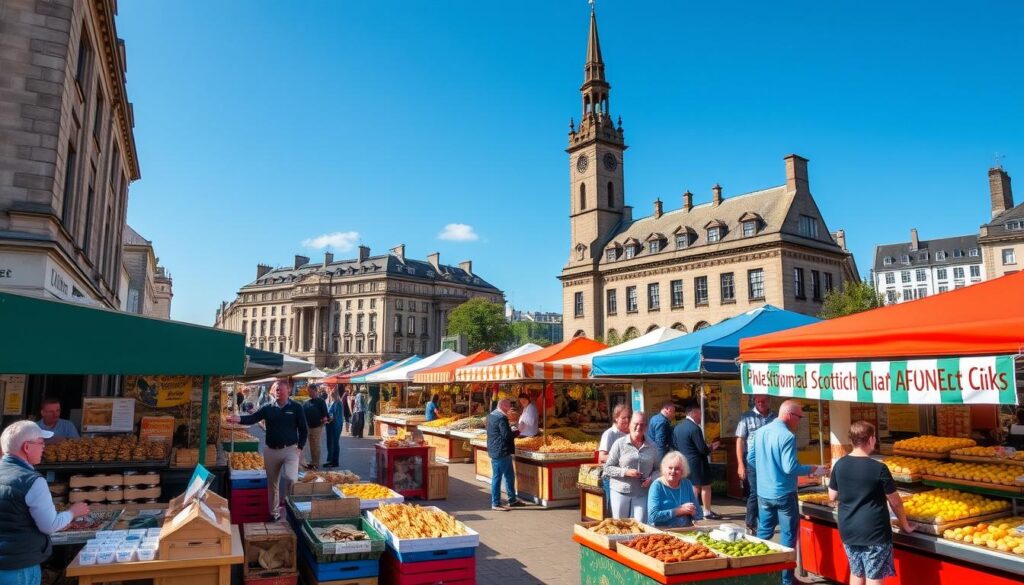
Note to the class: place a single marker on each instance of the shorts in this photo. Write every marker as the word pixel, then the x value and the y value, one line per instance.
pixel 871 562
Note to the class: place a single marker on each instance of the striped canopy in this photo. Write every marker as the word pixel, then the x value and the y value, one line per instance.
pixel 536 365
pixel 446 374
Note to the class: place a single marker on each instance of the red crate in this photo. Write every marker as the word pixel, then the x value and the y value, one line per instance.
pixel 247 496
pixel 278 580
pixel 443 572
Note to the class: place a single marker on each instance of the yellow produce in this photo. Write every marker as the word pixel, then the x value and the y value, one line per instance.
pixel 993 473
pixel 907 465
pixel 365 491
pixel 246 461
pixel 976 451
pixel 553 444
pixel 817 498
pixel 438 423
pixel 574 435
pixel 412 521
pixel 998 535
pixel 942 505
pixel 933 444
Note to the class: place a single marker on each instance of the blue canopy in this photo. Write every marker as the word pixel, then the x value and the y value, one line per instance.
pixel 710 350
pixel 405 362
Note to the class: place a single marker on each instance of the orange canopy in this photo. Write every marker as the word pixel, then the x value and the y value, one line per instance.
pixel 527 366
pixel 982 319
pixel 446 374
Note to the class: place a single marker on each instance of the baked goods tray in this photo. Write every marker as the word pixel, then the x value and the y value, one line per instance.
pixel 990 460
pixel 79 534
pixel 921 454
pixel 471 538
pixel 584 457
pixel 938 529
pixel 71 466
pixel 469 435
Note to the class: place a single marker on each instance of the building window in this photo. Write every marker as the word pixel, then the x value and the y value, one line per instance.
pixel 654 246
pixel 922 257
pixel 958 272
pixel 630 251
pixel 263 311
pixel 908 294
pixel 373 322
pixel 890 296
pixel 84 59
pixel 798 283
pixel 1015 225
pixel 749 228
pixel 399 304
pixel 1009 257
pixel 905 276
pixel 583 196
pixel 398 324
pixel 940 255
pixel 359 304
pixel 816 285
pixel 921 275
pixel 373 303
pixel 263 328
pixel 398 346
pixel 940 274
pixel 578 304
pixel 631 302
pixel 653 297
pixel 943 288
pixel 252 329
pixel 808 226
pixel 611 302
pixel 69 187
pixel 700 291
pixel 677 294
pixel 273 327
pixel 359 345
pixel 887 261
pixel 97 122
pixel 890 278
pixel 973 253
pixel 609 254
pixel 611 194
pixel 828 282
pixel 958 253
pixel 411 325
pixel 728 284
pixel 905 259
pixel 975 271
pixel 273 311
pixel 714 234
pixel 922 292
pixel 373 345
pixel 682 240
pixel 359 323
pixel 755 284
pixel 348 323
pixel 580 251
pixel 131 310
pixel 423 325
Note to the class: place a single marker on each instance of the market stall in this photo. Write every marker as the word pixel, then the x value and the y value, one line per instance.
pixel 393 418
pixel 373 406
pixel 960 348
pixel 454 405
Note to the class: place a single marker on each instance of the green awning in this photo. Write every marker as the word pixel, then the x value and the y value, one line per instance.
pixel 41 336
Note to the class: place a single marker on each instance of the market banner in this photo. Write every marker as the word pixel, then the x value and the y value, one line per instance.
pixel 966 380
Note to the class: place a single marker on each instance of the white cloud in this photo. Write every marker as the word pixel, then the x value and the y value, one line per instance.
pixel 458 232
pixel 341 241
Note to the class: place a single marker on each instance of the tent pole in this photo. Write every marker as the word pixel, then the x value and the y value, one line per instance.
pixel 821 438
pixel 204 415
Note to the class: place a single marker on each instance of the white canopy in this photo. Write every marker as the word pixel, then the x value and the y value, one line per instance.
pixel 315 373
pixel 521 350
pixel 657 336
pixel 404 373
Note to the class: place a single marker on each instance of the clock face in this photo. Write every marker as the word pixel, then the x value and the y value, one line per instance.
pixel 610 162
pixel 582 162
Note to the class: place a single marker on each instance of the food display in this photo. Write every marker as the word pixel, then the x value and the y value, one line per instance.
pixel 575 435
pixel 407 411
pixel 944 505
pixel 236 434
pixel 993 473
pixel 819 498
pixel 365 491
pixel 468 423
pixel 554 444
pixel 907 466
pixel 669 549
pixel 105 450
pixel 438 423
pixel 739 548
pixel 90 522
pixel 332 477
pixel 1000 535
pixel 412 521
pixel 339 533
pixel 610 526
pixel 997 453
pixel 246 461
pixel 933 444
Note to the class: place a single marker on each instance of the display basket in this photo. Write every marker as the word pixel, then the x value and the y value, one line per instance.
pixel 937 529
pixel 394 498
pixel 331 552
pixel 470 539
pixel 778 554
pixel 322 507
pixel 676 568
pixel 607 541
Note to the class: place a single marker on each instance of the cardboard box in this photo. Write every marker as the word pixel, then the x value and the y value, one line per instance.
pixel 312 488
pixel 259 538
pixel 607 541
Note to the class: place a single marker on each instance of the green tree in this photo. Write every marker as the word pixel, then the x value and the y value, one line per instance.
pixel 483 323
pixel 613 338
pixel 853 298
pixel 529 332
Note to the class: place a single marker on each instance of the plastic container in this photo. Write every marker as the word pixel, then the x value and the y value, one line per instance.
pixel 87 557
pixel 146 554
pixel 93 542
pixel 153 532
pixel 140 532
pixel 150 541
pixel 105 557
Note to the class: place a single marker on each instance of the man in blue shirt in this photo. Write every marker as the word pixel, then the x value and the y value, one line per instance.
pixel 501 447
pixel 50 421
pixel 750 421
pixel 773 452
pixel 659 429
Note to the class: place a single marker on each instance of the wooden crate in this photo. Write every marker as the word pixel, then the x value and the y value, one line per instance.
pixel 323 507
pixel 437 482
pixel 679 568
pixel 261 537
pixel 149 493
pixel 606 541
pixel 96 481
pixel 779 554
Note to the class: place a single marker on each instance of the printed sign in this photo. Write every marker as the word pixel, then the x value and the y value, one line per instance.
pixel 563 483
pixel 108 415
pixel 162 391
pixel 14 394
pixel 156 428
pixel 967 380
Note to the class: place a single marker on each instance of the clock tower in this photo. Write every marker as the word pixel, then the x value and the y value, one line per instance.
pixel 595 163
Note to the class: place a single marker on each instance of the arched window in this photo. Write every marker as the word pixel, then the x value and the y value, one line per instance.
pixel 611 194
pixel 579 333
pixel 701 325
pixel 679 327
pixel 651 328
pixel 630 333
pixel 583 196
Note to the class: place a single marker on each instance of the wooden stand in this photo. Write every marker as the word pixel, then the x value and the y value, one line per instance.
pixel 549 484
pixel 403 469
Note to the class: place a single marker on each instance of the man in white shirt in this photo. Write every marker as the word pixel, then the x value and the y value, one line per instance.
pixel 528 420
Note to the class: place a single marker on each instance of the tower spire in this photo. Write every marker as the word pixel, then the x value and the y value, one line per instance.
pixel 594 69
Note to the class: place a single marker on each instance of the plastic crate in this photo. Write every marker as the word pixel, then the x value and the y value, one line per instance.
pixel 309 579
pixel 339 571
pixel 241 497
pixel 249 483
pixel 276 580
pixel 369 549
pixel 433 555
pixel 241 446
pixel 445 572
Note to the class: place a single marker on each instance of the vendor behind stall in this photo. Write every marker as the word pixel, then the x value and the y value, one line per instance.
pixel 528 423
pixel 1015 432
pixel 50 421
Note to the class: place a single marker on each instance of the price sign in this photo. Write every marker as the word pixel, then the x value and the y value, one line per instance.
pixel 356 546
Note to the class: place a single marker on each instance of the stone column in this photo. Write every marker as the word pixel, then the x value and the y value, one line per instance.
pixel 839 429
pixel 316 329
pixel 301 345
pixel 293 344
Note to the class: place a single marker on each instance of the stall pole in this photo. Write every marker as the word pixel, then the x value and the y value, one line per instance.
pixel 821 439
pixel 204 415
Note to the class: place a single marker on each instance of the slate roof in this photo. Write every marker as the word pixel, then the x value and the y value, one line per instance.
pixel 997 227
pixel 133 238
pixel 388 264
pixel 927 253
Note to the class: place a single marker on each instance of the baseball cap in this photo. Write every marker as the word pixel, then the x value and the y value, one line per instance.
pixel 37 432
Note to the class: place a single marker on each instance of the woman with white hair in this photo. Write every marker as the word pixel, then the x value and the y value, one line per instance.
pixel 27 515
pixel 671 502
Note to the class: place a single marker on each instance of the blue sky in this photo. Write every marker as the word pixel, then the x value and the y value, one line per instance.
pixel 262 126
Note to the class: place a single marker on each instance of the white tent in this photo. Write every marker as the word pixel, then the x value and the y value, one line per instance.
pixel 521 350
pixel 314 374
pixel 657 336
pixel 404 373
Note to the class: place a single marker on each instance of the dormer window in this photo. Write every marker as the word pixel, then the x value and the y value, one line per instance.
pixel 749 228
pixel 958 253
pixel 905 259
pixel 682 240
pixel 610 255
pixel 630 251
pixel 940 255
pixel 887 261
pixel 973 253
pixel 654 246
pixel 808 226
pixel 1015 225
pixel 714 234
pixel 923 256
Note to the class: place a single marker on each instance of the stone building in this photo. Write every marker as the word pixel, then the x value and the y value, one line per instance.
pixel 920 268
pixel 1002 239
pixel 149 284
pixel 353 313
pixel 690 267
pixel 67 150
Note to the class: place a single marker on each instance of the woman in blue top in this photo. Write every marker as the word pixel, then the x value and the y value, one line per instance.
pixel 334 423
pixel 431 412
pixel 670 502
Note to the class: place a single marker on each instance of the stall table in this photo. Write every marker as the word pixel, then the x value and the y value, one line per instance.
pixel 202 571
pixel 545 479
pixel 403 469
pixel 384 422
pixel 448 447
pixel 930 559
pixel 599 565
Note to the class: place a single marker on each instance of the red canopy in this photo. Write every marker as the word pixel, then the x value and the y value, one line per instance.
pixel 446 374
pixel 528 366
pixel 346 377
pixel 982 319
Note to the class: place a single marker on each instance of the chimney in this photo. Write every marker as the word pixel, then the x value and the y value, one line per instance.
pixel 435 261
pixel 999 190
pixel 796 173
pixel 399 252
pixel 262 269
pixel 913 240
pixel 716 195
pixel 328 258
pixel 467 266
pixel 627 213
pixel 687 201
pixel 364 253
pixel 657 208
pixel 301 261
pixel 841 239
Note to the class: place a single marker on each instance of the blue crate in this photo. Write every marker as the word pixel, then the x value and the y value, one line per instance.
pixel 433 555
pixel 255 483
pixel 339 571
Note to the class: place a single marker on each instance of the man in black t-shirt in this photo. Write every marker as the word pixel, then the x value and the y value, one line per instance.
pixel 315 410
pixel 863 486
